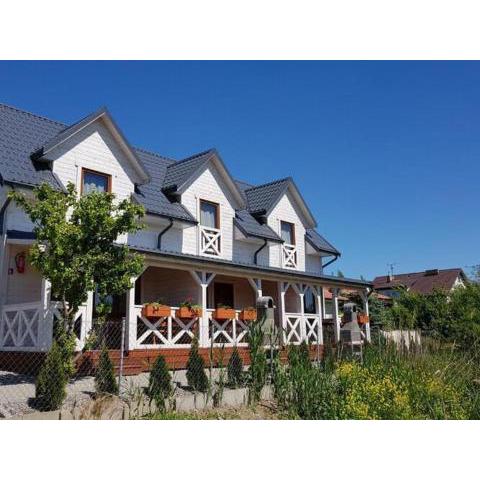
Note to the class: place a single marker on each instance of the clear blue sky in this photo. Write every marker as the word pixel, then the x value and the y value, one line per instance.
pixel 385 153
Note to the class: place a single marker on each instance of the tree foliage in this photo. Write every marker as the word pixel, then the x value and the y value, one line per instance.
pixel 75 247
pixel 159 384
pixel 196 376
pixel 51 381
pixel 105 383
pixel 235 368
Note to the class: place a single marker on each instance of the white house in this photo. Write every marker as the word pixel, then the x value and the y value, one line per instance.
pixel 208 237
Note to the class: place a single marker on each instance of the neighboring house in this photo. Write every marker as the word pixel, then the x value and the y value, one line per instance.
pixel 208 237
pixel 420 282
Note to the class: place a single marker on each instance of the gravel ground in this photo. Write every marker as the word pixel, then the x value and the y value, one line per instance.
pixel 17 391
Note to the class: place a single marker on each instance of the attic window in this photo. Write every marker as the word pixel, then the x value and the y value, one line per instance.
pixel 95 182
pixel 209 215
pixel 287 232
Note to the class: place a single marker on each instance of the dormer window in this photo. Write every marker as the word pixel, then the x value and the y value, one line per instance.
pixel 209 214
pixel 210 234
pixel 287 232
pixel 93 181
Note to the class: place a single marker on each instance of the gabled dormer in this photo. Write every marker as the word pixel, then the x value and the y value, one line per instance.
pixel 93 153
pixel 280 205
pixel 203 185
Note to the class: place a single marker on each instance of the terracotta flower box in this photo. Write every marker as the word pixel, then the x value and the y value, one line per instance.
pixel 188 313
pixel 156 311
pixel 224 313
pixel 249 315
pixel 362 318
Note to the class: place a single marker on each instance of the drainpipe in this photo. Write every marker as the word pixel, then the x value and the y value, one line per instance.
pixel 330 262
pixel 255 255
pixel 163 232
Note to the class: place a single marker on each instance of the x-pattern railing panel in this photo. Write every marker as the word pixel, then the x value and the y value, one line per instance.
pixel 80 318
pixel 311 328
pixel 210 240
pixel 289 255
pixel 293 328
pixel 228 332
pixel 20 326
pixel 169 331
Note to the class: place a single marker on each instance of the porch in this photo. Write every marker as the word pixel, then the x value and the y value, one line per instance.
pixel 300 312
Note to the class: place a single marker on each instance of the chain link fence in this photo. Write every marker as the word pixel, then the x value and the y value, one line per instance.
pixel 140 381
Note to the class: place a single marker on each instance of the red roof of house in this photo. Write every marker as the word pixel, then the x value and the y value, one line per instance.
pixel 421 282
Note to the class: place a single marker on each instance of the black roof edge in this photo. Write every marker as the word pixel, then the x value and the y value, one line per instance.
pixel 333 251
pixel 20 235
pixel 263 237
pixel 175 217
pixel 290 273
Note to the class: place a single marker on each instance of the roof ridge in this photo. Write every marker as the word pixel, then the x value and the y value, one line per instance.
pixel 41 117
pixel 197 155
pixel 155 154
pixel 270 183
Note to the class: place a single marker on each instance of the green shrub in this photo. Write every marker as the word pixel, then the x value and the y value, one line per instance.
pixel 51 381
pixel 159 384
pixel 235 368
pixel 196 376
pixel 105 382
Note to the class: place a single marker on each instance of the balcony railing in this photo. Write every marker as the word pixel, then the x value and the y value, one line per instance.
pixel 210 241
pixel 289 256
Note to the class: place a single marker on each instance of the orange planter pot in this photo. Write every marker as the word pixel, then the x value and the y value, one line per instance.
pixel 224 313
pixel 248 315
pixel 156 311
pixel 189 313
pixel 362 319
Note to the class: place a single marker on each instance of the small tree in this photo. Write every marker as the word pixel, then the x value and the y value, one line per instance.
pixel 159 383
pixel 76 249
pixel 235 368
pixel 51 381
pixel 196 376
pixel 105 382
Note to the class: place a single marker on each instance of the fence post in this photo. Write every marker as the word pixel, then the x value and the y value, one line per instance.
pixel 122 349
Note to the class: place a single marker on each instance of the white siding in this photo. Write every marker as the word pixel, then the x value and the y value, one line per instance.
pixel 94 148
pixel 209 186
pixel 172 240
pixel 16 218
pixel 313 263
pixel 21 287
pixel 285 210
pixel 244 252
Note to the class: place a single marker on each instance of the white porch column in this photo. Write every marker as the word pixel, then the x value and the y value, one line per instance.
pixel 203 280
pixel 46 316
pixel 364 295
pixel 282 288
pixel 320 308
pixel 300 289
pixel 256 284
pixel 336 316
pixel 88 320
pixel 131 318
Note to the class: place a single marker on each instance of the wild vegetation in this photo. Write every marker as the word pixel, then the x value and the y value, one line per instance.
pixel 437 382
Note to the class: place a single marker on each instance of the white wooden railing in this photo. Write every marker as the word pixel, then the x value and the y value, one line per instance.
pixel 171 332
pixel 299 328
pixel 210 241
pixel 28 327
pixel 81 324
pixel 227 332
pixel 289 256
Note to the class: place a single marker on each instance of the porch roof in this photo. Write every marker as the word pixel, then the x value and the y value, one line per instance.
pixel 201 262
